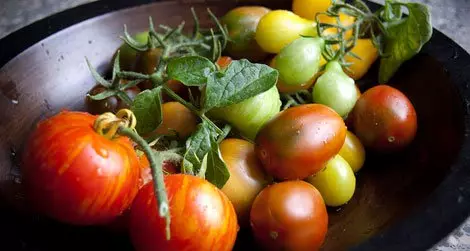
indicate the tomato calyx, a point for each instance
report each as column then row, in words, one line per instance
column 123, row 123
column 116, row 87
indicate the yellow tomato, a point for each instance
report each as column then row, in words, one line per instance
column 336, row 182
column 353, row 151
column 177, row 119
column 247, row 177
column 309, row 8
column 368, row 53
column 280, row 27
column 344, row 20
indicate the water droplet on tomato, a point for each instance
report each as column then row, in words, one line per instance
column 100, row 171
column 102, row 152
column 391, row 139
column 273, row 234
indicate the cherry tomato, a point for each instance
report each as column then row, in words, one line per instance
column 251, row 114
column 283, row 88
column 384, row 119
column 241, row 23
column 202, row 217
column 127, row 55
column 177, row 119
column 309, row 8
column 247, row 177
column 336, row 182
column 290, row 215
column 146, row 63
column 299, row 62
column 335, row 89
column 110, row 104
column 368, row 53
column 279, row 28
column 299, row 141
column 74, row 175
column 353, row 152
column 224, row 61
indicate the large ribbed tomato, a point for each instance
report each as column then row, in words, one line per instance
column 202, row 217
column 299, row 141
column 75, row 175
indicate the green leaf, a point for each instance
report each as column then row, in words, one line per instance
column 147, row 107
column 216, row 171
column 240, row 81
column 191, row 70
column 405, row 39
column 197, row 146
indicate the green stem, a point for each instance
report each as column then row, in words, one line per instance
column 155, row 161
column 130, row 74
column 191, row 107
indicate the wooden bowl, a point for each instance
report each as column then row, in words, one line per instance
column 405, row 201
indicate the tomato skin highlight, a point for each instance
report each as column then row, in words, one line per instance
column 290, row 215
column 384, row 119
column 247, row 177
column 74, row 175
column 202, row 217
column 299, row 141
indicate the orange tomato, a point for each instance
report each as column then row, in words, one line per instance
column 247, row 177
column 177, row 119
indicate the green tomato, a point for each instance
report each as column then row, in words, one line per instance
column 335, row 89
column 336, row 182
column 241, row 24
column 299, row 61
column 250, row 115
column 127, row 55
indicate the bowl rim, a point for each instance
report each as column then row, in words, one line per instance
column 444, row 210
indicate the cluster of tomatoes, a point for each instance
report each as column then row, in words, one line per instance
column 281, row 180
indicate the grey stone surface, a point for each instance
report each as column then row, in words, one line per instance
column 449, row 16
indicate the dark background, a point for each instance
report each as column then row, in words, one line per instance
column 449, row 16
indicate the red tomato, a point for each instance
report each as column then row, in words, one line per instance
column 299, row 141
column 290, row 215
column 224, row 61
column 74, row 175
column 202, row 217
column 121, row 224
column 384, row 119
